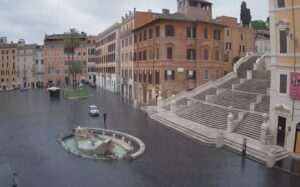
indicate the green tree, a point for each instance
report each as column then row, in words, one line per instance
column 245, row 15
column 268, row 23
column 74, row 69
column 71, row 42
column 259, row 25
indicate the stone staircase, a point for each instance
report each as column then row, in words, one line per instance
column 262, row 75
column 264, row 106
column 255, row 86
column 250, row 126
column 254, row 151
column 235, row 99
column 189, row 133
column 207, row 115
column 211, row 113
column 228, row 85
column 248, row 65
column 210, row 91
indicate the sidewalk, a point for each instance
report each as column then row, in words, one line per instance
column 290, row 165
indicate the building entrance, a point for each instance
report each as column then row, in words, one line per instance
column 281, row 131
column 297, row 139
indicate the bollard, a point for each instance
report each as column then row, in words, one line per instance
column 271, row 158
column 244, row 148
column 220, row 140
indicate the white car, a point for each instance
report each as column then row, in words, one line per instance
column 93, row 110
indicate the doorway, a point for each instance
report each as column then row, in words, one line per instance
column 297, row 139
column 281, row 131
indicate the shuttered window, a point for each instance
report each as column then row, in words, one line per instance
column 283, row 41
column 283, row 83
column 281, row 3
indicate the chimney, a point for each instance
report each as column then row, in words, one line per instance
column 134, row 10
column 126, row 15
column 130, row 13
column 165, row 11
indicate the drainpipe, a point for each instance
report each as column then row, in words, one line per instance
column 294, row 40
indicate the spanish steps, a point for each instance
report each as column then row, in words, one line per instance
column 212, row 106
column 235, row 106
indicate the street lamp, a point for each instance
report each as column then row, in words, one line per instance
column 104, row 118
column 14, row 178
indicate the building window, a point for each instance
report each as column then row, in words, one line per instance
column 135, row 76
column 283, row 84
column 205, row 75
column 228, row 46
column 169, row 53
column 157, row 53
column 145, row 55
column 150, row 77
column 135, row 38
column 225, row 73
column 228, row 32
column 217, row 34
column 217, row 55
column 205, row 32
column 217, row 74
column 145, row 77
column 283, row 41
column 191, row 75
column 205, row 54
column 191, row 32
column 150, row 33
column 141, row 37
column 191, row 54
column 170, row 30
column 157, row 29
column 169, row 75
column 281, row 3
column 157, row 77
column 145, row 35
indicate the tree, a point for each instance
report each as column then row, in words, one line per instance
column 71, row 42
column 268, row 23
column 245, row 15
column 259, row 25
column 74, row 70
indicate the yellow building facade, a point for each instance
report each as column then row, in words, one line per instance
column 285, row 67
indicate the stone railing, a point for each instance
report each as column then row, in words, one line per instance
column 260, row 63
column 198, row 90
column 241, row 61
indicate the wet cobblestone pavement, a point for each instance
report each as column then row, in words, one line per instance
column 30, row 125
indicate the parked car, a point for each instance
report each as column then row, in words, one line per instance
column 24, row 89
column 9, row 89
column 92, row 84
column 93, row 110
column 80, row 85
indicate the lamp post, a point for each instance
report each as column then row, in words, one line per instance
column 14, row 180
column 104, row 118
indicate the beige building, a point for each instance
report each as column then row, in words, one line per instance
column 108, row 58
column 130, row 21
column 238, row 40
column 25, row 64
column 8, row 65
column 55, row 60
column 285, row 67
column 178, row 52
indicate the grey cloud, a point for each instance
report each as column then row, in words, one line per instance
column 31, row 19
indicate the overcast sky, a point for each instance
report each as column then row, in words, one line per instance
column 31, row 19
